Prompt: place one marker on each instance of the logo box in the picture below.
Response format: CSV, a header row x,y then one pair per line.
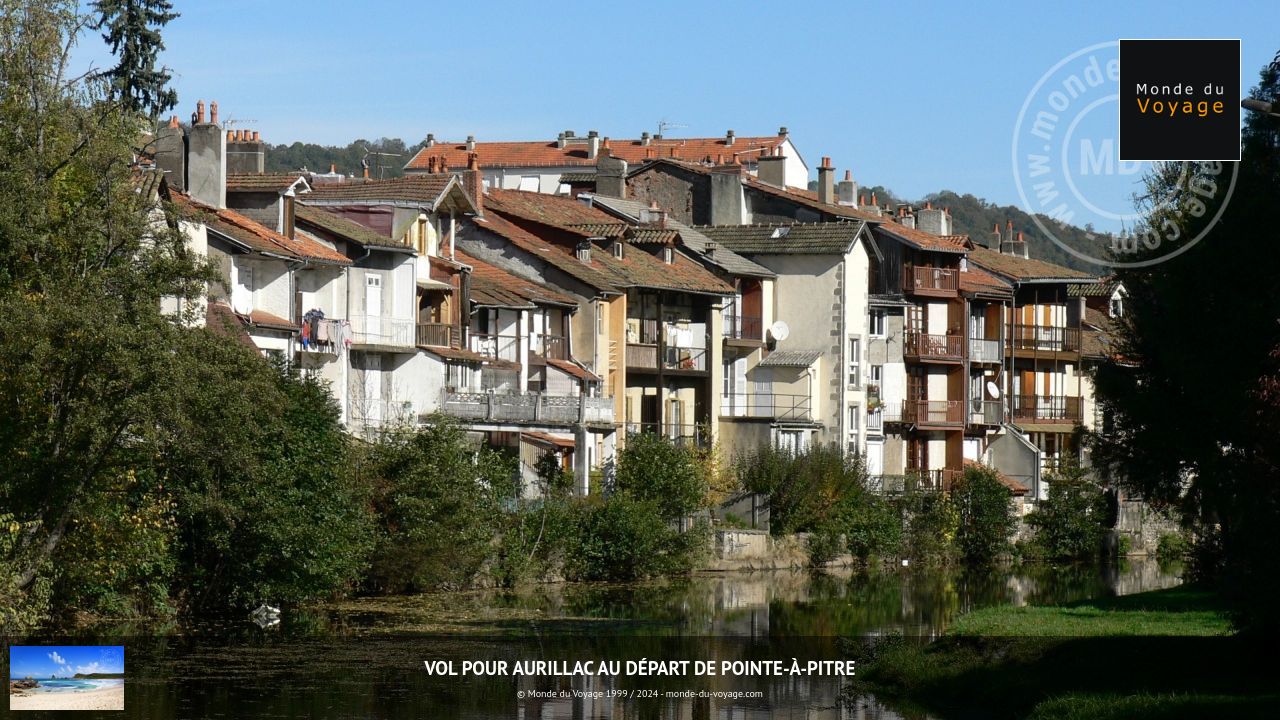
x,y
1180,100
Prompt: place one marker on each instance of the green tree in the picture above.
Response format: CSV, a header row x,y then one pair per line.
x,y
985,518
1070,523
653,469
133,33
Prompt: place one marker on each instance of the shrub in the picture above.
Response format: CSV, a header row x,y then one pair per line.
x,y
626,538
1070,523
985,519
653,469
931,527
1172,547
875,528
808,491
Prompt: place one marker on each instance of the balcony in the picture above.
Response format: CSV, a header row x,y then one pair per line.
x,y
686,359
497,347
744,327
380,331
776,406
986,412
1045,409
320,336
682,435
371,414
528,408
934,348
437,335
1034,338
932,479
551,347
933,413
875,421
985,351
931,281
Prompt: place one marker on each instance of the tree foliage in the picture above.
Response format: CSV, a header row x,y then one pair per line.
x,y
1070,524
132,31
986,520
654,469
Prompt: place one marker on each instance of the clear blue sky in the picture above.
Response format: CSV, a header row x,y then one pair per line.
x,y
41,661
914,96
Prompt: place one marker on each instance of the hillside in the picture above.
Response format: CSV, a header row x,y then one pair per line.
x,y
386,157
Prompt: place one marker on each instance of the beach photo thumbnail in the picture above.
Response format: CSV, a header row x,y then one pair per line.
x,y
66,677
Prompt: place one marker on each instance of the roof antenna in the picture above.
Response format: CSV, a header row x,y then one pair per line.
x,y
364,161
664,125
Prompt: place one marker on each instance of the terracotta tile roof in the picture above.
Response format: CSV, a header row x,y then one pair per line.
x,y
811,201
1097,338
496,287
425,189
724,258
580,178
923,240
635,269
653,236
268,320
343,228
262,182
831,238
557,256
256,236
222,320
456,354
977,280
573,369
547,154
1104,288
556,211
1020,268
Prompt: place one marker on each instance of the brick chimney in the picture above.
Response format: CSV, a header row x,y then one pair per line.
x,y
611,174
1013,243
826,181
473,182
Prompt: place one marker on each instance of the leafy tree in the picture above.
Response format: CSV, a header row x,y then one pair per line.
x,y
438,503
808,491
986,520
1071,523
653,469
625,538
133,33
1198,340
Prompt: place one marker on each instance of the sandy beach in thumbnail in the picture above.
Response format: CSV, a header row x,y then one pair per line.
x,y
107,698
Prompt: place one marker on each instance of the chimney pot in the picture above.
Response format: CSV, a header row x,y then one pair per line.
x,y
593,133
728,138
213,112
782,131
431,140
173,121
848,175
231,135
471,143
333,168
200,111
255,136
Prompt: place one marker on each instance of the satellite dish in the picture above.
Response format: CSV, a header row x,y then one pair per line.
x,y
779,331
993,390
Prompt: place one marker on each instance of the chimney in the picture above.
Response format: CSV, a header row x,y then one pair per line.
x,y
207,161
561,140
728,139
726,198
611,175
473,182
826,181
933,221
593,144
1013,243
584,252
645,140
847,190
431,140
213,112
246,153
782,131
772,168
471,143
171,154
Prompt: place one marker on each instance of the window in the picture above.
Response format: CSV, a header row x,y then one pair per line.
x,y
529,183
1117,307
855,360
668,255
875,323
877,374
855,422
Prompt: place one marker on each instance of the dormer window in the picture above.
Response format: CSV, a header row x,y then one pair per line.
x,y
668,255
584,252
617,250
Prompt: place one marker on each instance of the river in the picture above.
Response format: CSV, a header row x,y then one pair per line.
x,y
365,658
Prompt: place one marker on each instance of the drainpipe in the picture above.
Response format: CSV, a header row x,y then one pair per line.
x,y
453,231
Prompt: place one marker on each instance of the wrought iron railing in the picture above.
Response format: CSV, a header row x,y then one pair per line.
x,y
766,405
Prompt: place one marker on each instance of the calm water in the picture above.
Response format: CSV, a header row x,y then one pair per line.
x,y
368,663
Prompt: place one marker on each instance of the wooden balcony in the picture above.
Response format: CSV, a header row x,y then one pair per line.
x,y
939,414
547,347
931,281
934,348
437,335
1041,341
498,347
744,327
678,359
1054,409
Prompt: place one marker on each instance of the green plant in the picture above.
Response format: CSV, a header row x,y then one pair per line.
x,y
985,518
1070,523
653,469
874,528
1172,547
626,538
807,491
931,524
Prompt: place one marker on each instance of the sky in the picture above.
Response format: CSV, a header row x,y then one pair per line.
x,y
42,661
917,97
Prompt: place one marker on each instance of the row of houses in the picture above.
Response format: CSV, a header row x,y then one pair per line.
x,y
559,296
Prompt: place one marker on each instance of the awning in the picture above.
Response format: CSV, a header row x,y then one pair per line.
x,y
429,284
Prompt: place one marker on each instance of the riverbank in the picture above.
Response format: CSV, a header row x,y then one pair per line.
x,y
1162,654
107,698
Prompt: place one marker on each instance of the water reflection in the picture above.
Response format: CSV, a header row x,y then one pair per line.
x,y
339,664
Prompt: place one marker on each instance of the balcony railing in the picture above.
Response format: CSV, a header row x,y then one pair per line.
x,y
986,412
642,356
552,347
934,347
378,330
530,408
766,405
1052,339
321,335
930,280
933,412
743,327
875,421
498,347
683,358
931,479
1042,408
683,435
984,351
437,335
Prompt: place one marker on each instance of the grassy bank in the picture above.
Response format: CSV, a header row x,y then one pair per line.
x,y
1163,654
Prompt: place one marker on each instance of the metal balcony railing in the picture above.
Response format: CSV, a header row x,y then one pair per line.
x,y
1045,408
684,435
934,347
766,405
744,327
498,347
933,412
984,351
1052,339
378,330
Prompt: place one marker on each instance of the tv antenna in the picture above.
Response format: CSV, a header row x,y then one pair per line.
x,y
364,161
664,125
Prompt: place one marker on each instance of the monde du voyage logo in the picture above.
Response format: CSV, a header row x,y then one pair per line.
x,y
1180,100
